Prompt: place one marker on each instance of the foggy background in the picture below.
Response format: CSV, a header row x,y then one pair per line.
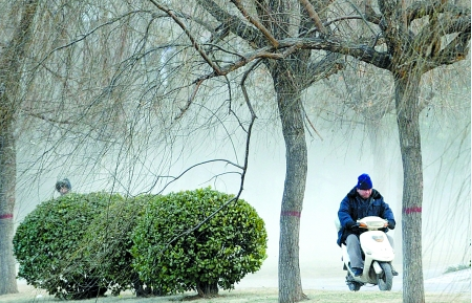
x,y
125,137
336,157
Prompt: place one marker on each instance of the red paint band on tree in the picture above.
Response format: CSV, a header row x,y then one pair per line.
x,y
291,213
410,210
6,216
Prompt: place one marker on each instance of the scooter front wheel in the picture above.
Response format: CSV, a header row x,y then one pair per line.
x,y
385,279
354,286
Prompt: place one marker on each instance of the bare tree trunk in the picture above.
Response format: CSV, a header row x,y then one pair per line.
x,y
290,110
8,283
408,112
10,75
207,290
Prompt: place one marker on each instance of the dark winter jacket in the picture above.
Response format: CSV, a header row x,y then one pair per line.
x,y
353,207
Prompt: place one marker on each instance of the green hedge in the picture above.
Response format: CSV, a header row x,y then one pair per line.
x,y
107,244
79,246
46,245
174,258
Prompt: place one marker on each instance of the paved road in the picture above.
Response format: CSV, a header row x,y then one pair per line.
x,y
458,282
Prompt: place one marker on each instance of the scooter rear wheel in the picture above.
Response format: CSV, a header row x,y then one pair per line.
x,y
385,279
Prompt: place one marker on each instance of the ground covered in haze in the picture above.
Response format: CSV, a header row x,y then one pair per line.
x,y
450,287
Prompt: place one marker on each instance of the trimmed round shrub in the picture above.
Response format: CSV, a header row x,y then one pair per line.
x,y
177,250
46,245
107,244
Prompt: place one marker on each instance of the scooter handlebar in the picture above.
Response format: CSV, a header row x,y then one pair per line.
x,y
363,225
372,223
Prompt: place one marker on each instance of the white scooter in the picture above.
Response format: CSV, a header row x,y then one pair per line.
x,y
378,257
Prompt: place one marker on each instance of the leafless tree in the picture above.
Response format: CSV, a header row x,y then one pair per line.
x,y
407,39
18,34
171,55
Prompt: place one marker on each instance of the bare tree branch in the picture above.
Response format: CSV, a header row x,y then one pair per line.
x,y
89,33
175,178
189,35
388,8
370,14
190,99
314,16
235,25
244,168
323,69
454,52
264,52
258,25
358,51
420,9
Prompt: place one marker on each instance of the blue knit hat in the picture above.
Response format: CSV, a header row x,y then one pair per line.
x,y
364,182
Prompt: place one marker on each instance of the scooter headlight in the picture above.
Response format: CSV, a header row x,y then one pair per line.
x,y
378,238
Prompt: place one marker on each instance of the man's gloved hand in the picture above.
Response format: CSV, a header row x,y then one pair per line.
x,y
350,224
354,226
391,224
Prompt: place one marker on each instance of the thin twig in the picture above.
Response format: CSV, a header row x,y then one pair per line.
x,y
84,36
189,101
195,44
244,168
176,178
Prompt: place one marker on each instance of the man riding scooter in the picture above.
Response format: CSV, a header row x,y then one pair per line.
x,y
361,201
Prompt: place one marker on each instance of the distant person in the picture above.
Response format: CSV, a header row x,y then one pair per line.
x,y
360,202
63,186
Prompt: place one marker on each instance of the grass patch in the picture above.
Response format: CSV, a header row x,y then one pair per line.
x,y
256,295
